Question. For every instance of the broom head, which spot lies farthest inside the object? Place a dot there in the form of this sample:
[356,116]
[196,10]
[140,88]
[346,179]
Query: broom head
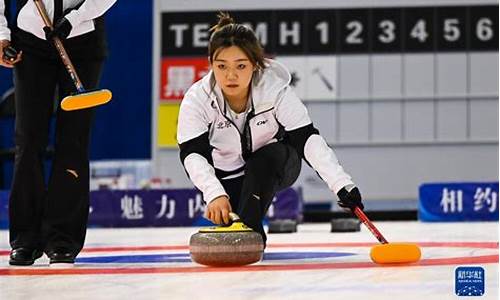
[395,253]
[86,100]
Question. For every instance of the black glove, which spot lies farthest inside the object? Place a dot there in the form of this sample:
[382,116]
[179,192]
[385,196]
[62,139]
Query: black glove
[9,53]
[350,199]
[62,29]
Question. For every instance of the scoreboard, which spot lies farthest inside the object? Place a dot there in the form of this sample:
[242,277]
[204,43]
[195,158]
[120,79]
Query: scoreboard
[343,31]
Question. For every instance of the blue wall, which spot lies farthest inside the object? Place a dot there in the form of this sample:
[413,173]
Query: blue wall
[122,128]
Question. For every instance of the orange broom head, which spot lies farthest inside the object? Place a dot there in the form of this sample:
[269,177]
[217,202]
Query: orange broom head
[395,253]
[86,100]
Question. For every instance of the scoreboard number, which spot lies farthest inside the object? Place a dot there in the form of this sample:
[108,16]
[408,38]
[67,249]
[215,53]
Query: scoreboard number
[356,28]
[451,30]
[484,32]
[323,32]
[419,31]
[388,31]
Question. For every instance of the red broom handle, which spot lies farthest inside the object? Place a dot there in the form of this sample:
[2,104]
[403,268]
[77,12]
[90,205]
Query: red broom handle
[361,215]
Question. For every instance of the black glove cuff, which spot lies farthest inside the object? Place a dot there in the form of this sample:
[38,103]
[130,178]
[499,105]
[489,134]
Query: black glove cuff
[63,28]
[342,194]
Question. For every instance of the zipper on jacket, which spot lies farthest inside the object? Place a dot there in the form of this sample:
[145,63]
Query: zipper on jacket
[246,135]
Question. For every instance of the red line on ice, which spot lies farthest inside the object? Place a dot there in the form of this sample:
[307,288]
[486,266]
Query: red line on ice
[252,268]
[486,245]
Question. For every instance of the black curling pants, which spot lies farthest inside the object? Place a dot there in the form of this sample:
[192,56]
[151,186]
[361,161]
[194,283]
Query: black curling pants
[50,216]
[270,169]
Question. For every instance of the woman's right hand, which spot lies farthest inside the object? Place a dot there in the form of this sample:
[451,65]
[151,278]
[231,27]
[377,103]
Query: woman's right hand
[7,63]
[218,210]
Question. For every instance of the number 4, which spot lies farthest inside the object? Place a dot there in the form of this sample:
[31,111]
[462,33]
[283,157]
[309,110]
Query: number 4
[418,31]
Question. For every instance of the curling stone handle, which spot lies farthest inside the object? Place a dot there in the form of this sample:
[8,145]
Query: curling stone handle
[234,217]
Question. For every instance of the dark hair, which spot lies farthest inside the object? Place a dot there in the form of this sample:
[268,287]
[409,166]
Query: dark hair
[227,33]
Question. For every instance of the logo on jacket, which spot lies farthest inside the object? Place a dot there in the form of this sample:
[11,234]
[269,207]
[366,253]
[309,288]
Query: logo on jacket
[223,124]
[262,122]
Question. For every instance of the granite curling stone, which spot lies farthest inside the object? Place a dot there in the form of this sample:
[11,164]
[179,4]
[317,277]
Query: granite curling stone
[345,225]
[282,226]
[226,246]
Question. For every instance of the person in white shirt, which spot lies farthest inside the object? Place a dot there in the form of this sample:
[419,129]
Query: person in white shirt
[52,218]
[242,132]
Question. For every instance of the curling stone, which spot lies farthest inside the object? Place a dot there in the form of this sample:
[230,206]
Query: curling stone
[345,225]
[225,246]
[282,226]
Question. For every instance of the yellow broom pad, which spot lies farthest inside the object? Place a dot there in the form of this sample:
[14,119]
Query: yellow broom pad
[395,253]
[86,100]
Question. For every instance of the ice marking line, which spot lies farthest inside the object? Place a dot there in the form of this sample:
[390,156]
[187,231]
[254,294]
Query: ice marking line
[184,257]
[485,245]
[77,270]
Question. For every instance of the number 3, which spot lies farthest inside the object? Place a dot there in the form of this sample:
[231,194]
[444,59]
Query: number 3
[388,35]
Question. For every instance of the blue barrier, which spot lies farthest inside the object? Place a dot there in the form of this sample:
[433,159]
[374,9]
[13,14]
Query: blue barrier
[176,207]
[442,202]
[157,208]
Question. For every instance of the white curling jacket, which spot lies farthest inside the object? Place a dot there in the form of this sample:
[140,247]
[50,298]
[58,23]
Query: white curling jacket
[30,21]
[212,148]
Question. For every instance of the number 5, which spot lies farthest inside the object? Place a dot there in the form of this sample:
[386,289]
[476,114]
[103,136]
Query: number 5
[451,30]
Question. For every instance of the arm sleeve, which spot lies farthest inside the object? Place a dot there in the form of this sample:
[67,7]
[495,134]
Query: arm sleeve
[4,29]
[89,10]
[292,114]
[324,161]
[202,174]
[195,150]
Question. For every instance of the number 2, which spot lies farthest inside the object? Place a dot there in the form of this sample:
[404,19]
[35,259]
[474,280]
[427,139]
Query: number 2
[353,37]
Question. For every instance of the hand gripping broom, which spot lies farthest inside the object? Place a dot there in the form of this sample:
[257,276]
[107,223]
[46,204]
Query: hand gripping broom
[82,99]
[388,253]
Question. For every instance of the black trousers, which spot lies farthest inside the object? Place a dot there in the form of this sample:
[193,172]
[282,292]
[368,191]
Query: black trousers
[270,169]
[52,216]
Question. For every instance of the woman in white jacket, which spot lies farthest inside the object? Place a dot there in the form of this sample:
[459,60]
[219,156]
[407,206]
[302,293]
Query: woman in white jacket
[242,132]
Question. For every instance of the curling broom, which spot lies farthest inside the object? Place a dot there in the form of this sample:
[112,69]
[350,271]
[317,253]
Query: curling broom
[388,253]
[82,99]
